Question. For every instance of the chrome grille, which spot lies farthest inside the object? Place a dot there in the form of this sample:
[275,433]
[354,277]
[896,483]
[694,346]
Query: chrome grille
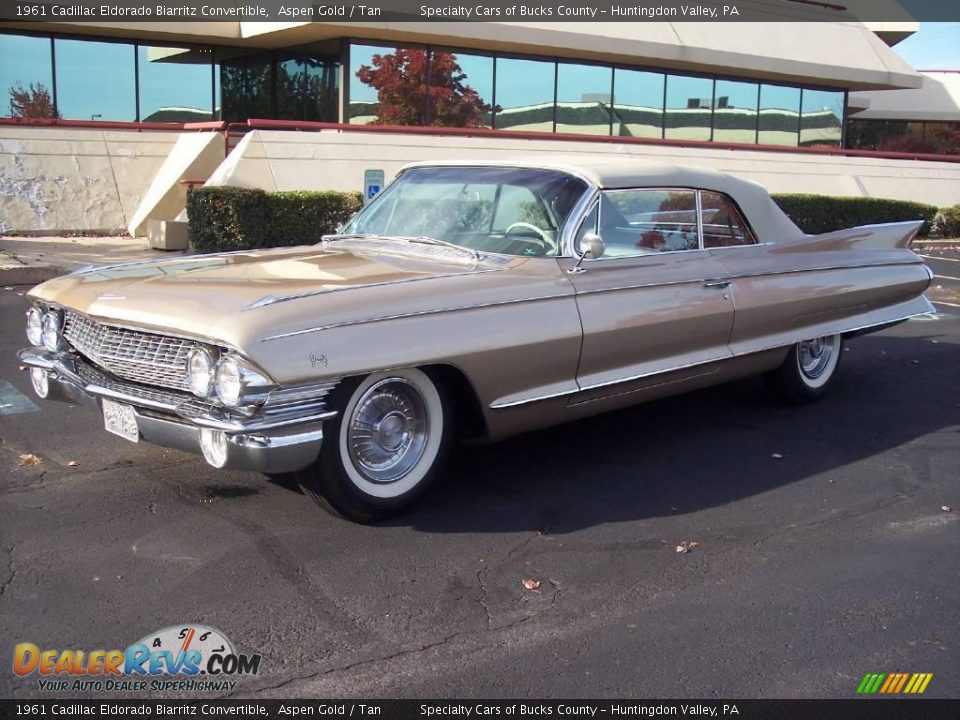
[130,354]
[163,399]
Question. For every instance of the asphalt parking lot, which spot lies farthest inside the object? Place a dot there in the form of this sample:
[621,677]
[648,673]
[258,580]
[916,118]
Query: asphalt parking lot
[824,551]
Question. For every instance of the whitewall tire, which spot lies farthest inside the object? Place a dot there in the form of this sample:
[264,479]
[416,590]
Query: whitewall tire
[386,446]
[809,369]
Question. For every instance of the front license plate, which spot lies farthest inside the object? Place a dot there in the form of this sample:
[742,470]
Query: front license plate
[120,420]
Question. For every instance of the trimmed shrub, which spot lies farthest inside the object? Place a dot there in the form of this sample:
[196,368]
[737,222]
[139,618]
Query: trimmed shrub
[947,222]
[816,214]
[233,218]
[226,218]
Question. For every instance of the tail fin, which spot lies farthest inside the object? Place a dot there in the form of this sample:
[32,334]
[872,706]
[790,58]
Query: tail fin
[888,236]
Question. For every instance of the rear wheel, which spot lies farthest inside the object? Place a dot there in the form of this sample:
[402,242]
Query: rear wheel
[386,446]
[808,369]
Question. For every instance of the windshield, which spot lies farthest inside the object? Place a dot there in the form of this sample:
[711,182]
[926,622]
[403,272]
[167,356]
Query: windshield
[515,211]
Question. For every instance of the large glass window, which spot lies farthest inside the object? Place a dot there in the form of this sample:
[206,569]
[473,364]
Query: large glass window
[524,95]
[638,103]
[779,115]
[583,98]
[387,85]
[26,77]
[735,112]
[96,80]
[821,118]
[246,84]
[175,83]
[689,107]
[307,83]
[460,88]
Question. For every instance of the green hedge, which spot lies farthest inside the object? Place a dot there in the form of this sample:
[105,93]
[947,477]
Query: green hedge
[815,214]
[947,222]
[233,218]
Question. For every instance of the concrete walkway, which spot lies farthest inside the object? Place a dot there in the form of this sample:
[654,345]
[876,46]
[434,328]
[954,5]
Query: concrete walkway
[31,260]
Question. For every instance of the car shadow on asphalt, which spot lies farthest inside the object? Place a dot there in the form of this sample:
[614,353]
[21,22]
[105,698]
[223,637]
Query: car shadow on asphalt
[700,450]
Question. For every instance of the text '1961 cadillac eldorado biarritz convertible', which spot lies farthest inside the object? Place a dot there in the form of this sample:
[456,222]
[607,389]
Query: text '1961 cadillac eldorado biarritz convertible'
[467,299]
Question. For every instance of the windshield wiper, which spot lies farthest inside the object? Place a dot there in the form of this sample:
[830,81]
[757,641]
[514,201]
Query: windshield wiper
[424,240]
[419,239]
[350,236]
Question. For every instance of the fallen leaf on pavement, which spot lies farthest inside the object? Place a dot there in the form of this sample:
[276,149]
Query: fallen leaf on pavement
[23,367]
[532,585]
[947,508]
[29,459]
[73,463]
[686,546]
[777,456]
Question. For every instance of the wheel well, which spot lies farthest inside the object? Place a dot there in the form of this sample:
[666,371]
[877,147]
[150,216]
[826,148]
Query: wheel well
[467,411]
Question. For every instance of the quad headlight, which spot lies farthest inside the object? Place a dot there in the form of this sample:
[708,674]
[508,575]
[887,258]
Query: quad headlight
[239,384]
[35,326]
[234,381]
[50,329]
[201,372]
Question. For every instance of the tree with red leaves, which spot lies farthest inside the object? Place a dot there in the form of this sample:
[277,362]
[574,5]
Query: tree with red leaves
[31,102]
[414,90]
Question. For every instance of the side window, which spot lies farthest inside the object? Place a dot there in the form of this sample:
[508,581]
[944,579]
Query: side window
[723,225]
[640,222]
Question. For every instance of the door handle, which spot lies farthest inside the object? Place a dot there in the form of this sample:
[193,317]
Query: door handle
[716,283]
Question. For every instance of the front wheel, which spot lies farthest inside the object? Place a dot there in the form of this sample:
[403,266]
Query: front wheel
[383,450]
[808,369]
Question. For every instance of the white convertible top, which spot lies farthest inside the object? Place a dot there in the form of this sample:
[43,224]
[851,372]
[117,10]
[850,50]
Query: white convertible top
[765,217]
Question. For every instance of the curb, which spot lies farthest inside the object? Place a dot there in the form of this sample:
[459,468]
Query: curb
[29,274]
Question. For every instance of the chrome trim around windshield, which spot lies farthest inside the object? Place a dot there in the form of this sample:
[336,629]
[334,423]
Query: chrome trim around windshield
[582,208]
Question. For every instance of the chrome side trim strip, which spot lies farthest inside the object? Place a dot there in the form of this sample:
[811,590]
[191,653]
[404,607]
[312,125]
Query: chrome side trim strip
[273,299]
[525,401]
[697,281]
[419,313]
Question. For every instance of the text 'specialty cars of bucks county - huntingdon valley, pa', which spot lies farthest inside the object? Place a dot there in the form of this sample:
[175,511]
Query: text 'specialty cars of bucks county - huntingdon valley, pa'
[467,300]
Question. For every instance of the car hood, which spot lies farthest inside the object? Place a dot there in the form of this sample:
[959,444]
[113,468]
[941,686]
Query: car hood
[193,295]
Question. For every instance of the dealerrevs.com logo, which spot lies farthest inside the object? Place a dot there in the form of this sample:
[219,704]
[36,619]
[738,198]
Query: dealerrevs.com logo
[185,658]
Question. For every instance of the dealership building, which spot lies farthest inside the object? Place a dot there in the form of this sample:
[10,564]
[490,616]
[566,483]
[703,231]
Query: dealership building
[103,124]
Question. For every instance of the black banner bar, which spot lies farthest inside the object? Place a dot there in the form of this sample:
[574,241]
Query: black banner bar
[854,709]
[480,11]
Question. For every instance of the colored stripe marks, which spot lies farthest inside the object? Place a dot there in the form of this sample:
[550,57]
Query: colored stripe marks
[894,683]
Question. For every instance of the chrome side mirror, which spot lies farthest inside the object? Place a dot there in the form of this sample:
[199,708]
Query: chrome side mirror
[591,248]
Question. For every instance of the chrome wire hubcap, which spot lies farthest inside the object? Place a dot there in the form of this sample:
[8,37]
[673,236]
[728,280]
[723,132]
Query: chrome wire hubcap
[388,431]
[815,356]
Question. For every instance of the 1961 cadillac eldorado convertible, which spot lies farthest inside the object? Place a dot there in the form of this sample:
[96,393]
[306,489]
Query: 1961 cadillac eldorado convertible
[467,299]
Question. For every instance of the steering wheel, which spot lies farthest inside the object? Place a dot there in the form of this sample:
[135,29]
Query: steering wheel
[541,236]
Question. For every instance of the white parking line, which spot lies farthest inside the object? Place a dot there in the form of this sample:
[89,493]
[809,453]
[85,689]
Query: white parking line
[941,302]
[946,277]
[13,402]
[934,257]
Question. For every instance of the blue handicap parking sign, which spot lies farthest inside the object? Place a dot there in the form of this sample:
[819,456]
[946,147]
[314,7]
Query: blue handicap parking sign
[373,181]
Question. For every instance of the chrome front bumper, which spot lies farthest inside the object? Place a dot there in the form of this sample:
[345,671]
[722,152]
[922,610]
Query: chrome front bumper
[278,443]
